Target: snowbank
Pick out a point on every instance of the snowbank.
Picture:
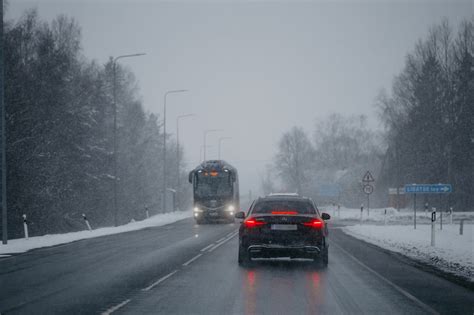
(453, 253)
(23, 245)
(392, 216)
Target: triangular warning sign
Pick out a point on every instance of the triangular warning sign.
(368, 177)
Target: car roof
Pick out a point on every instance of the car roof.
(284, 196)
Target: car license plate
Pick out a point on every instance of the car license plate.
(284, 227)
(213, 214)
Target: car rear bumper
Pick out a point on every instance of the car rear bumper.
(292, 251)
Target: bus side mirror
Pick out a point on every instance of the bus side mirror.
(190, 177)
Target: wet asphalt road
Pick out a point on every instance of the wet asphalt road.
(183, 268)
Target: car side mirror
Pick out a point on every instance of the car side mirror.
(325, 216)
(240, 215)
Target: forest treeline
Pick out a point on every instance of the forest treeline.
(428, 115)
(59, 111)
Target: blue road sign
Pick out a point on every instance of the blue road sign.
(428, 189)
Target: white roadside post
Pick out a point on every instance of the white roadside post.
(433, 227)
(385, 217)
(338, 211)
(361, 210)
(146, 212)
(451, 212)
(25, 226)
(87, 222)
(461, 227)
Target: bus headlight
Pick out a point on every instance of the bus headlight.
(196, 209)
(230, 208)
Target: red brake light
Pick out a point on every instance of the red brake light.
(316, 223)
(284, 212)
(251, 223)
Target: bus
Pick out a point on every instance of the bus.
(215, 191)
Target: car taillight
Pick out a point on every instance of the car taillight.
(251, 223)
(315, 223)
(284, 212)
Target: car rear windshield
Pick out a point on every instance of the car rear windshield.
(284, 207)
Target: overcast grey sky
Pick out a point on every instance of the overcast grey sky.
(254, 69)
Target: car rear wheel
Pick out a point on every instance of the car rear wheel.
(244, 258)
(325, 257)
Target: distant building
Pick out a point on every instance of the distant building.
(392, 197)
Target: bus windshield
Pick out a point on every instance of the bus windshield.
(218, 184)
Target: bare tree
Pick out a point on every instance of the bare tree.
(294, 159)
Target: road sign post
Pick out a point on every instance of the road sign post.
(426, 189)
(433, 227)
(441, 220)
(367, 188)
(414, 210)
(368, 205)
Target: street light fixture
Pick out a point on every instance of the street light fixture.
(220, 142)
(205, 136)
(177, 153)
(164, 143)
(114, 69)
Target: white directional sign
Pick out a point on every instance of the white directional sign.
(368, 178)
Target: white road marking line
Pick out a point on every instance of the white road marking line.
(393, 285)
(159, 281)
(116, 307)
(236, 231)
(223, 242)
(192, 259)
(207, 247)
(221, 239)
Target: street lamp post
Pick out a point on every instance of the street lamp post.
(3, 139)
(164, 144)
(219, 147)
(204, 142)
(114, 69)
(202, 150)
(177, 154)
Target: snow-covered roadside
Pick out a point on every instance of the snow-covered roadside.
(392, 215)
(23, 245)
(453, 253)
